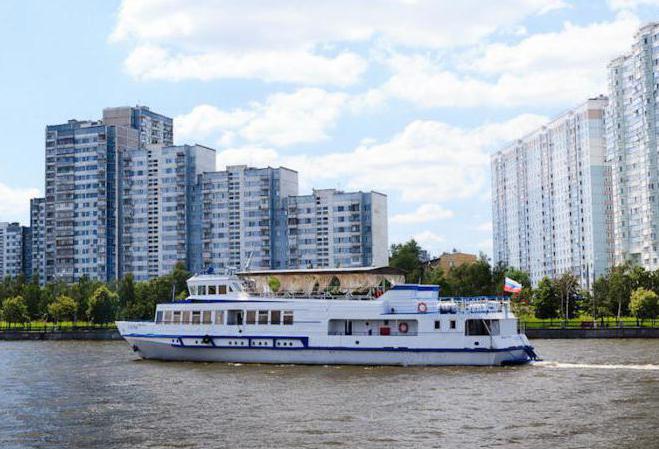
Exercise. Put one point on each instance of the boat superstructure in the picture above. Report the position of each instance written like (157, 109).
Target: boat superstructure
(223, 321)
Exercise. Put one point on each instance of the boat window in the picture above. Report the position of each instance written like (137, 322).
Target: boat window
(251, 317)
(235, 317)
(230, 288)
(202, 289)
(453, 324)
(168, 316)
(212, 290)
(159, 316)
(222, 289)
(185, 317)
(177, 317)
(196, 317)
(437, 324)
(482, 327)
(288, 317)
(275, 317)
(193, 289)
(263, 317)
(219, 317)
(206, 317)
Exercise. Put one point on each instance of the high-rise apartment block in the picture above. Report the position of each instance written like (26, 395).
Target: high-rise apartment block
(120, 198)
(243, 219)
(160, 214)
(81, 207)
(11, 250)
(153, 128)
(38, 241)
(550, 194)
(632, 133)
(330, 228)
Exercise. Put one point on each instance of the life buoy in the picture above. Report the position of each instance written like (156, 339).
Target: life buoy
(402, 328)
(422, 307)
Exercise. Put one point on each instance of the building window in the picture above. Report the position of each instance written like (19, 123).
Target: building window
(275, 317)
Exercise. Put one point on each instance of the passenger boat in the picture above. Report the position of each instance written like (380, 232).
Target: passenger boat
(222, 321)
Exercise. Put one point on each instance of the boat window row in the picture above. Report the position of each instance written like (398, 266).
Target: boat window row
(228, 317)
(210, 289)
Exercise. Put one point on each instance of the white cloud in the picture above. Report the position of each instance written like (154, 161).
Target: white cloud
(423, 214)
(297, 40)
(429, 241)
(558, 68)
(486, 226)
(149, 62)
(427, 162)
(15, 203)
(631, 4)
(303, 116)
(252, 156)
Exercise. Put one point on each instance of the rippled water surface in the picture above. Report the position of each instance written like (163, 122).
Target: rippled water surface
(588, 393)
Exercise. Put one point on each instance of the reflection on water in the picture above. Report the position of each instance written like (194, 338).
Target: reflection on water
(587, 393)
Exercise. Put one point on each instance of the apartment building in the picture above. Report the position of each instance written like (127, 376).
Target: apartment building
(330, 228)
(38, 239)
(631, 129)
(11, 250)
(550, 198)
(161, 208)
(243, 221)
(153, 128)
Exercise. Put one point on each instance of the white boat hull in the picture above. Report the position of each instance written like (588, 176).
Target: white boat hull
(163, 349)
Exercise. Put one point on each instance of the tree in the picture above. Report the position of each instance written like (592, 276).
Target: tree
(545, 300)
(598, 306)
(14, 310)
(619, 291)
(32, 295)
(179, 277)
(126, 293)
(566, 286)
(407, 257)
(103, 306)
(63, 307)
(274, 284)
(644, 304)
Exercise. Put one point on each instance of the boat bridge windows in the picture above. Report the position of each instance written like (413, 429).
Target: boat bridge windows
(481, 327)
(373, 327)
(211, 289)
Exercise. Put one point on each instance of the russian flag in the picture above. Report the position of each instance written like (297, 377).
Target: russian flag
(512, 286)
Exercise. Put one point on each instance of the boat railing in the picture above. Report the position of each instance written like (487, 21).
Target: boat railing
(312, 295)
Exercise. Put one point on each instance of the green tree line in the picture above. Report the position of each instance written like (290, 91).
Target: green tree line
(625, 290)
(23, 300)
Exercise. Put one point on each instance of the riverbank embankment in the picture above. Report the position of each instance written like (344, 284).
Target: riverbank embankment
(79, 334)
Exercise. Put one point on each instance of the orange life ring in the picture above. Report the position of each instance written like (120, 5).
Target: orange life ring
(422, 307)
(403, 328)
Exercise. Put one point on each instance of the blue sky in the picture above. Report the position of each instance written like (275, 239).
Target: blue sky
(406, 97)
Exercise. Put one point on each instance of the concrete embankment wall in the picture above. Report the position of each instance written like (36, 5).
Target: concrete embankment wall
(96, 334)
(622, 332)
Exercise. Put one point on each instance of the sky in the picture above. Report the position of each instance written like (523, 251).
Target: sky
(404, 97)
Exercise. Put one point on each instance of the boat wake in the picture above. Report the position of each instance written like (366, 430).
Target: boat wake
(549, 364)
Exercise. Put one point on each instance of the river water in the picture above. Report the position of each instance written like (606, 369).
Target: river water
(587, 394)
